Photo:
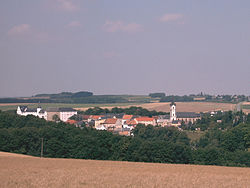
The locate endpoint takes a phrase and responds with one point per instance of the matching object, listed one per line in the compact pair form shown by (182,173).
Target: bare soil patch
(19,171)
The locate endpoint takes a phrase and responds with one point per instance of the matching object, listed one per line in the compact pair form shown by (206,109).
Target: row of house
(49,114)
(119,123)
(123,123)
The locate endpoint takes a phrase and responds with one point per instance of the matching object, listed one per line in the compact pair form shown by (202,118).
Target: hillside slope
(21,171)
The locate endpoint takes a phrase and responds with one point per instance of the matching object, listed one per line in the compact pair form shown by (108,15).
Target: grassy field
(25,171)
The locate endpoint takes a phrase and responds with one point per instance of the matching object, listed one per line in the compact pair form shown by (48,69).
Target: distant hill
(91,173)
(82,97)
(67,95)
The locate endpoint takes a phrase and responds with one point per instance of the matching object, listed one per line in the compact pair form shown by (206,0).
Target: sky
(124,46)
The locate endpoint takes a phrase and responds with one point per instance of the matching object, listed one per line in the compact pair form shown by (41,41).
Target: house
(127,117)
(66,113)
(131,124)
(39,112)
(101,128)
(63,113)
(163,120)
(112,124)
(97,119)
(71,121)
(145,121)
(125,132)
(188,117)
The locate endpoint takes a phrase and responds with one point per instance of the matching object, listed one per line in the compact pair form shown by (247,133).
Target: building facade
(38,112)
(63,113)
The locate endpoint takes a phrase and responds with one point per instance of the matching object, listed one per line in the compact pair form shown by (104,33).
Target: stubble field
(22,171)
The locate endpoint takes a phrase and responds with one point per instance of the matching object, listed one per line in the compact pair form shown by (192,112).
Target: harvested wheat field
(190,106)
(182,106)
(20,171)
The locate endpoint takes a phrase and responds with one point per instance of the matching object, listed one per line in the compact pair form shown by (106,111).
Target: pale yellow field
(183,106)
(20,171)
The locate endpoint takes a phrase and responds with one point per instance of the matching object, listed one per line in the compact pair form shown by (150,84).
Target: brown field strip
(19,171)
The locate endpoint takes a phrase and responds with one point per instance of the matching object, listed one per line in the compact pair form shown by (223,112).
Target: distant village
(121,124)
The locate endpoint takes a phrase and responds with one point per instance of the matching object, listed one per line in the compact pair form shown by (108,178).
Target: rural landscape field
(124,94)
(26,171)
(181,106)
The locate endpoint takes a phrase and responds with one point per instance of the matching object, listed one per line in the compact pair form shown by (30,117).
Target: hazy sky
(124,46)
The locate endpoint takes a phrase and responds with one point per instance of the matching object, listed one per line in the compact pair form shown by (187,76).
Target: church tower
(172,111)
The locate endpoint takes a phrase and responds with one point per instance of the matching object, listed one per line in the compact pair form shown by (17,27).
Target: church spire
(172,111)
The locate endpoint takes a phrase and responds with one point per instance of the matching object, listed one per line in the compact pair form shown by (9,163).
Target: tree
(55,118)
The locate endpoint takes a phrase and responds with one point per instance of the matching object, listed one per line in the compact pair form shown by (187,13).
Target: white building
(24,111)
(66,113)
(63,113)
(176,118)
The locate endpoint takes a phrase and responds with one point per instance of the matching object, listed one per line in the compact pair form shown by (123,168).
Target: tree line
(133,110)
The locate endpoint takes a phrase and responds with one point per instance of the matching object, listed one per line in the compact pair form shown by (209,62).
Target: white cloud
(74,24)
(67,5)
(114,26)
(19,30)
(171,17)
(28,33)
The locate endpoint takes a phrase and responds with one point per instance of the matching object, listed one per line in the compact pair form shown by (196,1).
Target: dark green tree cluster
(133,110)
(229,147)
(176,98)
(157,95)
(220,121)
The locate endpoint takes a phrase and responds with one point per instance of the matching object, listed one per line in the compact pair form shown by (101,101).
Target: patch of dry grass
(19,171)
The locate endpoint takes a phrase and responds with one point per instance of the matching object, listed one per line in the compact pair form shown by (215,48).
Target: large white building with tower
(176,118)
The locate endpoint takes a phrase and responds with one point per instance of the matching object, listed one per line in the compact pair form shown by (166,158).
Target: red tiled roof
(96,116)
(127,116)
(110,121)
(132,122)
(145,119)
(126,133)
(70,121)
(85,117)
